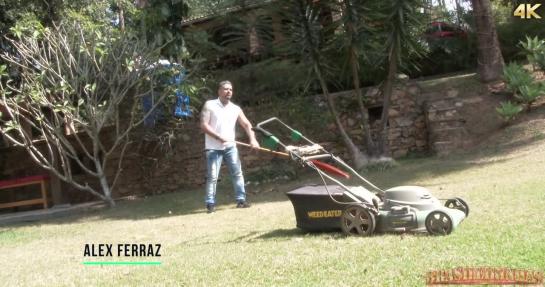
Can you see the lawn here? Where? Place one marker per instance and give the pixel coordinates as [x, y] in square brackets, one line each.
[504, 184]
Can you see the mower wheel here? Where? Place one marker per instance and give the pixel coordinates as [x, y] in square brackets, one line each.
[458, 203]
[438, 223]
[357, 220]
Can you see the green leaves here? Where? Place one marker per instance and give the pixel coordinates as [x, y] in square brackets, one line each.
[17, 31]
[528, 94]
[534, 48]
[3, 71]
[404, 22]
[516, 77]
[508, 111]
[90, 88]
[129, 64]
[29, 26]
[523, 86]
[10, 125]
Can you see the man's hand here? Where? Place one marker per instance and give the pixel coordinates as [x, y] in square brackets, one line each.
[254, 143]
[245, 123]
[220, 139]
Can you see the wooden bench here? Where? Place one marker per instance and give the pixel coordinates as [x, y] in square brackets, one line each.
[25, 181]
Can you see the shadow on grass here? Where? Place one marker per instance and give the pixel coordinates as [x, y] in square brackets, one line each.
[164, 205]
[274, 235]
[408, 172]
[288, 234]
[191, 201]
[296, 232]
[282, 234]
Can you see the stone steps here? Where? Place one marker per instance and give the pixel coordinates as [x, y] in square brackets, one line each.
[456, 134]
[446, 126]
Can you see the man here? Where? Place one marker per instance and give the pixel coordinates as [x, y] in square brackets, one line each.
[218, 121]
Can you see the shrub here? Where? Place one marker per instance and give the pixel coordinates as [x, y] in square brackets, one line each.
[511, 33]
[534, 49]
[530, 93]
[508, 111]
[516, 77]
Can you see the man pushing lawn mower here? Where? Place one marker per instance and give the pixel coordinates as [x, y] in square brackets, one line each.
[356, 210]
[218, 121]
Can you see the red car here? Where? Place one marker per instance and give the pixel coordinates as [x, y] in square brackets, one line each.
[444, 30]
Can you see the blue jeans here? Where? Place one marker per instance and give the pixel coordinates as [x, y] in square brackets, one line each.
[213, 164]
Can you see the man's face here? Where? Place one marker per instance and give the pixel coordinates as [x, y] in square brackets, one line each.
[225, 92]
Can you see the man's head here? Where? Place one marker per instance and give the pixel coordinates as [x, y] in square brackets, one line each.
[225, 91]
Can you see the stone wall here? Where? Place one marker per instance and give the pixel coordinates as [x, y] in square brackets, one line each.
[407, 122]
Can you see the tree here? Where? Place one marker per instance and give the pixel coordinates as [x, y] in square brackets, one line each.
[160, 22]
[353, 21]
[78, 91]
[490, 60]
[402, 18]
[307, 41]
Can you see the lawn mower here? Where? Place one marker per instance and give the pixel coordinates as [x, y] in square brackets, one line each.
[363, 209]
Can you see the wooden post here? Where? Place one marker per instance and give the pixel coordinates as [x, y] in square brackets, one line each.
[44, 192]
[55, 182]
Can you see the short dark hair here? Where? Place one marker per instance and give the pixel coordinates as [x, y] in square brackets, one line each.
[223, 83]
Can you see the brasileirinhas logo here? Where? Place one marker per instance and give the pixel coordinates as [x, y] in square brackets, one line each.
[484, 275]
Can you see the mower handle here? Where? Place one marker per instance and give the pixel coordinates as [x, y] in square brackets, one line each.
[262, 130]
[258, 127]
[318, 156]
[267, 121]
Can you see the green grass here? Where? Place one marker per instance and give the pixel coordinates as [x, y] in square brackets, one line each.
[503, 183]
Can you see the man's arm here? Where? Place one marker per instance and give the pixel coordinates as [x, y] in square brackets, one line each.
[247, 126]
[205, 126]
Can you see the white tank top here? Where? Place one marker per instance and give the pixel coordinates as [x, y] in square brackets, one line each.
[222, 120]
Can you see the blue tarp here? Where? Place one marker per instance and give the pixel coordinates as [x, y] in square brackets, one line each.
[182, 106]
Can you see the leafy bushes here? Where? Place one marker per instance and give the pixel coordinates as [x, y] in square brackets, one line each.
[262, 82]
[530, 93]
[521, 84]
[446, 55]
[516, 77]
[508, 111]
[534, 48]
[511, 33]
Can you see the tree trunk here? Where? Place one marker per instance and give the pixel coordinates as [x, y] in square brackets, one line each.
[358, 159]
[121, 16]
[369, 144]
[490, 60]
[106, 191]
[55, 182]
[386, 94]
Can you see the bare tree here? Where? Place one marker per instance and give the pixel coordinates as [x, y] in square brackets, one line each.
[73, 98]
